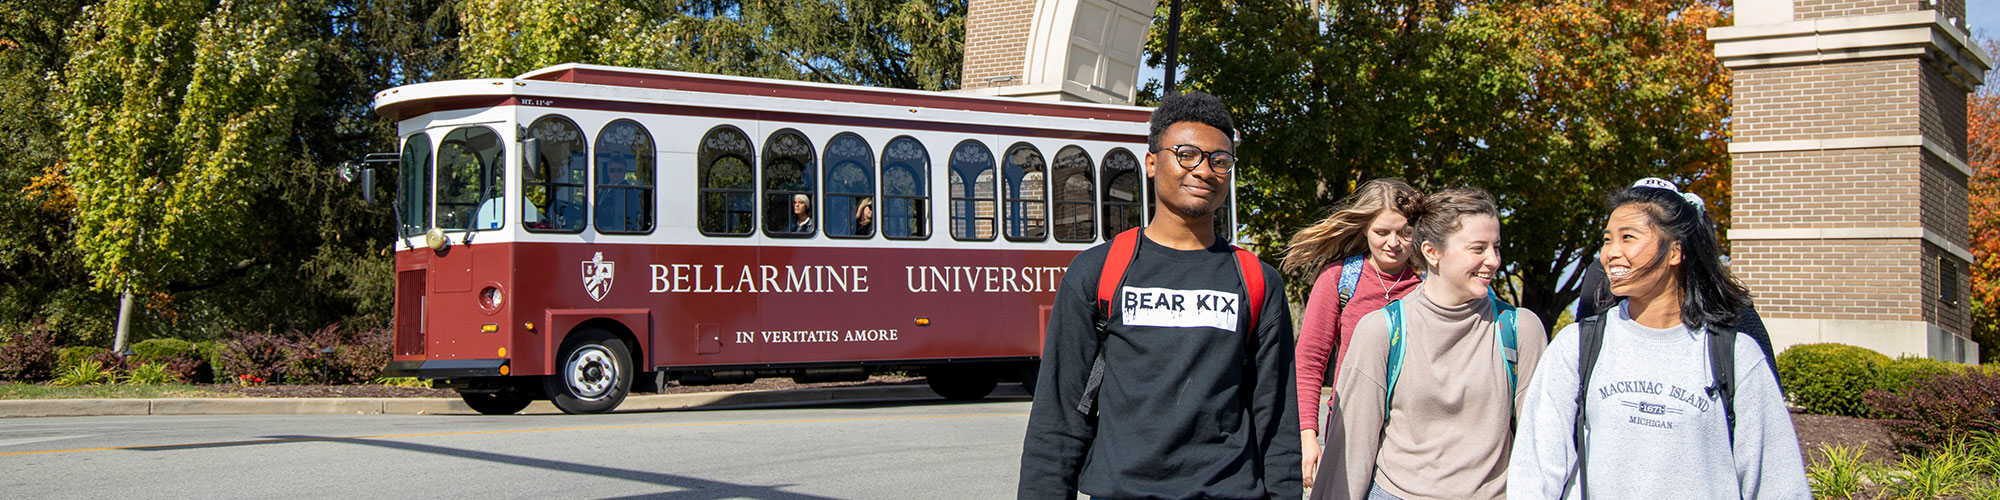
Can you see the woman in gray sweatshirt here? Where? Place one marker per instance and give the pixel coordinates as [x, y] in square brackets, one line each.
[1654, 419]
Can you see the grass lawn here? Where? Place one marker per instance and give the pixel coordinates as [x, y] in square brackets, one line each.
[13, 390]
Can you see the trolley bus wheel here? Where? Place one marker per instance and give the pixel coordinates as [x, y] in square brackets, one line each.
[496, 403]
[593, 374]
[963, 384]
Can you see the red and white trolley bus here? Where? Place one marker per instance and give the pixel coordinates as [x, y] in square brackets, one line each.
[580, 232]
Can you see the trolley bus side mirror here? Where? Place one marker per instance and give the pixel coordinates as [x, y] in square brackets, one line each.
[368, 186]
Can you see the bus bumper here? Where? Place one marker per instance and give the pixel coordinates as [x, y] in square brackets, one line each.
[445, 368]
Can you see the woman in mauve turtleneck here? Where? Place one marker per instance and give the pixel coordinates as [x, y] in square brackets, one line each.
[1449, 428]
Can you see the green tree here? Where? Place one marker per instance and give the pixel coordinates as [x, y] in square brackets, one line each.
[1549, 104]
[175, 109]
[40, 270]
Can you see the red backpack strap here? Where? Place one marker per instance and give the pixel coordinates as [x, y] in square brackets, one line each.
[1123, 247]
[1253, 283]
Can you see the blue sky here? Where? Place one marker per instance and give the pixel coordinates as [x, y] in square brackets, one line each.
[1983, 15]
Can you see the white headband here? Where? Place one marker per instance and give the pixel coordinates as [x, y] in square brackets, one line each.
[1658, 183]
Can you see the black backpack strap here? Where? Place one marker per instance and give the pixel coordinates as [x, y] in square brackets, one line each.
[1590, 343]
[1247, 320]
[1722, 370]
[1123, 252]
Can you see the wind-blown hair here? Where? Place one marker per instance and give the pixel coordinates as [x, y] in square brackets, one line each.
[1443, 213]
[1709, 294]
[1344, 232]
[1194, 106]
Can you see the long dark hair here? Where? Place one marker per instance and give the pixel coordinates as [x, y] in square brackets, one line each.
[1709, 294]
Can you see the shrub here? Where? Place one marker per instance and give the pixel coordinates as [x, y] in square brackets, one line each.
[257, 354]
[331, 355]
[88, 372]
[163, 349]
[152, 373]
[29, 355]
[1903, 371]
[112, 362]
[1830, 379]
[69, 357]
[1934, 409]
[365, 353]
[183, 359]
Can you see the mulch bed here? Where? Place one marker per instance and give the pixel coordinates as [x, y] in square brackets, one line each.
[1817, 430]
[385, 391]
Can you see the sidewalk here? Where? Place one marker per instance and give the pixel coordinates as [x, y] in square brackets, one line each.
[450, 406]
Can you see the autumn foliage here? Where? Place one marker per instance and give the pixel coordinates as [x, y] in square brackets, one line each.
[1982, 130]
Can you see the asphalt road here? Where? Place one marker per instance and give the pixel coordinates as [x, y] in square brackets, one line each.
[919, 449]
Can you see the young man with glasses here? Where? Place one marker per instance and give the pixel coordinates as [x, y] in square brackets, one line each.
[1184, 393]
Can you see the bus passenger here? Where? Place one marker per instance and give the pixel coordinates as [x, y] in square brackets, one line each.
[1424, 406]
[801, 215]
[1362, 254]
[1183, 393]
[1674, 402]
[864, 217]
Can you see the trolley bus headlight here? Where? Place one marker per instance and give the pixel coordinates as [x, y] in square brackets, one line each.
[490, 298]
[436, 240]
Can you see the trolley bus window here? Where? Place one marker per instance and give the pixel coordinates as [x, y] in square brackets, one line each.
[905, 198]
[972, 205]
[625, 165]
[472, 183]
[1027, 194]
[788, 185]
[728, 193]
[850, 187]
[413, 192]
[1074, 202]
[1121, 192]
[553, 175]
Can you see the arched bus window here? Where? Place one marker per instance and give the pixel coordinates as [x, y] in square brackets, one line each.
[1074, 196]
[552, 177]
[413, 185]
[1027, 193]
[788, 185]
[850, 187]
[905, 194]
[972, 205]
[471, 186]
[1121, 192]
[727, 187]
[625, 173]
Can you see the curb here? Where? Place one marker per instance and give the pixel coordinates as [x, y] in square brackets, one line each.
[449, 406]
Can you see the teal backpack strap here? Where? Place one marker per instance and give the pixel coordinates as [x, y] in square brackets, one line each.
[1503, 314]
[1394, 313]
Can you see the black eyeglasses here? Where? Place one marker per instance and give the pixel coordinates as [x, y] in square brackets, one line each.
[1190, 157]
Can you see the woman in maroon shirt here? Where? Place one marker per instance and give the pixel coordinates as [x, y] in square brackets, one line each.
[1371, 232]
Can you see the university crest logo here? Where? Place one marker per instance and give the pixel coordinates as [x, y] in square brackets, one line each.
[597, 274]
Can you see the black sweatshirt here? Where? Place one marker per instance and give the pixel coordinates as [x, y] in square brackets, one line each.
[1171, 420]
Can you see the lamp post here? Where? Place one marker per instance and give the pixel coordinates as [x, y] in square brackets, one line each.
[1173, 45]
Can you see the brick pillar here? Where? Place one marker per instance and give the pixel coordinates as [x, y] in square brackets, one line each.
[996, 42]
[1849, 170]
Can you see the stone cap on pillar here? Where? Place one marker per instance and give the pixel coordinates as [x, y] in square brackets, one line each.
[1774, 39]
